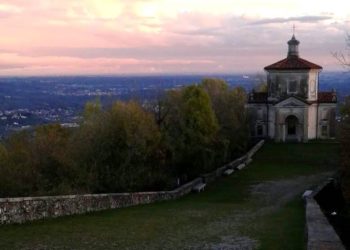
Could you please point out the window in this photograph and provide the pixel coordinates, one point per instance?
(259, 130)
(292, 86)
(324, 130)
(324, 114)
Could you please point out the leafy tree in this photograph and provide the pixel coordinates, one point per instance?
(237, 102)
(158, 108)
(3, 155)
(18, 174)
(34, 163)
(92, 109)
(190, 130)
(120, 149)
(51, 160)
(127, 148)
(4, 171)
(229, 107)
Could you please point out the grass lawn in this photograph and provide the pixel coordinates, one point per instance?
(259, 207)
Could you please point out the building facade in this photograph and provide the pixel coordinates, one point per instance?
(293, 108)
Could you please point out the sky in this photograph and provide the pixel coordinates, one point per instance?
(98, 37)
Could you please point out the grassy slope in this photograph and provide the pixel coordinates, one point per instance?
(259, 206)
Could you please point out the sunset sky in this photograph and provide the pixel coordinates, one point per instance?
(73, 37)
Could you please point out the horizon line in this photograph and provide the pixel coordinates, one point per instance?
(154, 74)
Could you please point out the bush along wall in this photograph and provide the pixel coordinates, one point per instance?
(20, 210)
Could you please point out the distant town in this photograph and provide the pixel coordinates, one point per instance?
(29, 101)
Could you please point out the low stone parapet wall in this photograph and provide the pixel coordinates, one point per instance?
(245, 159)
(20, 210)
(320, 233)
(255, 149)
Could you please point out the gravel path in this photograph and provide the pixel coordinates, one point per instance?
(272, 195)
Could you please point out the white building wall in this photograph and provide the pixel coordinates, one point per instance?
(279, 82)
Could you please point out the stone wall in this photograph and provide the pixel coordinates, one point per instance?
(20, 210)
(320, 233)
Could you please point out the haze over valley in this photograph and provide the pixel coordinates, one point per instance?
(30, 101)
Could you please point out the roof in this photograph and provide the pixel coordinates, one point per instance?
(323, 97)
(327, 97)
(291, 100)
(293, 63)
(291, 96)
(293, 41)
(257, 97)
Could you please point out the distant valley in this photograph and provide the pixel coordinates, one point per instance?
(30, 101)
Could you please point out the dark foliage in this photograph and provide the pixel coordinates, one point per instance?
(128, 147)
(345, 148)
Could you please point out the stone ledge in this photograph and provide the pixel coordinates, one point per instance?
(320, 233)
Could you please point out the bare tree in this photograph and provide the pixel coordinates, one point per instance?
(344, 57)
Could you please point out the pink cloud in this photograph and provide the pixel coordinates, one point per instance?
(82, 37)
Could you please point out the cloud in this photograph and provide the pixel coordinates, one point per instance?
(82, 36)
(5, 66)
(44, 65)
(302, 19)
(147, 52)
(210, 31)
(8, 10)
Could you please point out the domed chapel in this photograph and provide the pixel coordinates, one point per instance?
(293, 108)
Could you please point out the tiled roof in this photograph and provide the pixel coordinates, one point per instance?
(257, 97)
(323, 97)
(327, 97)
(292, 63)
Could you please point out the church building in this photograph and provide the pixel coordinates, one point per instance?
(293, 108)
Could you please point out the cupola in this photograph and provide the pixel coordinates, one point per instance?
(293, 47)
